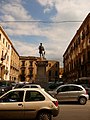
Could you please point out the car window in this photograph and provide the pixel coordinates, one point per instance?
(26, 87)
(30, 86)
(34, 96)
(5, 83)
(34, 86)
(63, 89)
(19, 85)
(14, 96)
(74, 88)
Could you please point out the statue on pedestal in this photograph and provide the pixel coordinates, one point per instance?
(41, 51)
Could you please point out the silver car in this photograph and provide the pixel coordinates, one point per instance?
(28, 103)
(70, 92)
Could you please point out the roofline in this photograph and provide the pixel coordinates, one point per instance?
(1, 28)
(87, 17)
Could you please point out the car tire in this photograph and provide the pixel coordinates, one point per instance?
(44, 116)
(82, 100)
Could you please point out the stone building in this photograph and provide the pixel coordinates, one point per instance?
(77, 55)
(22, 68)
(28, 69)
(53, 70)
(8, 60)
(14, 65)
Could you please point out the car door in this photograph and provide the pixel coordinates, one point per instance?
(62, 93)
(73, 93)
(11, 105)
(34, 101)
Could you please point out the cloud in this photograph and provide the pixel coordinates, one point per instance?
(15, 9)
(47, 4)
(25, 48)
(57, 35)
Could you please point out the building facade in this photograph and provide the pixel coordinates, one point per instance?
(77, 56)
(21, 68)
(28, 69)
(52, 71)
(6, 58)
(14, 65)
(5, 54)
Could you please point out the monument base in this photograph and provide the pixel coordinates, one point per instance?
(41, 77)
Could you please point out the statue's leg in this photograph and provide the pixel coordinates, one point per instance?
(40, 55)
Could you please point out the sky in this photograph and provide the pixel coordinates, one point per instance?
(50, 22)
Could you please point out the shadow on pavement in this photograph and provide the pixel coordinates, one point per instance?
(69, 103)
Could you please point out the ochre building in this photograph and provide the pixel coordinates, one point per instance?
(77, 55)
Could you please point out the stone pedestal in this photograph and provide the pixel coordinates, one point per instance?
(41, 77)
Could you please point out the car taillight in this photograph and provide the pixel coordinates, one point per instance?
(86, 91)
(56, 103)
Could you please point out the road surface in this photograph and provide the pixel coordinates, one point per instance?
(74, 111)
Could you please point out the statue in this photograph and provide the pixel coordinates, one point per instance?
(41, 51)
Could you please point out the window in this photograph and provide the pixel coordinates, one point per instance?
(3, 40)
(7, 58)
(6, 44)
(23, 72)
(83, 34)
(23, 63)
(74, 88)
(34, 96)
(87, 31)
(63, 89)
(2, 53)
(50, 73)
(88, 54)
(56, 65)
(49, 64)
(31, 63)
(0, 36)
(14, 96)
(56, 73)
(31, 73)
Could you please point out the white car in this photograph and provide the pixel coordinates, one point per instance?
(28, 103)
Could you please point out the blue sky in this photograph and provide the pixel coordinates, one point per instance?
(28, 33)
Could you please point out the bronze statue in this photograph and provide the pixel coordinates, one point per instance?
(41, 51)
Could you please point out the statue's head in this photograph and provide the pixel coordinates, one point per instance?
(41, 44)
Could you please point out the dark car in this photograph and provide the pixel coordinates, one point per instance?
(54, 85)
(19, 85)
(5, 86)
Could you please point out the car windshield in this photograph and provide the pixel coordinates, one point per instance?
(4, 83)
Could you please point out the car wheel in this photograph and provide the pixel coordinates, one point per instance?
(82, 100)
(44, 116)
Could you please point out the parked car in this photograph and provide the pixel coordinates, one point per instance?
(28, 103)
(70, 92)
(87, 88)
(53, 85)
(5, 86)
(32, 86)
(18, 85)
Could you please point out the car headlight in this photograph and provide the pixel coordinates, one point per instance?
(2, 90)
